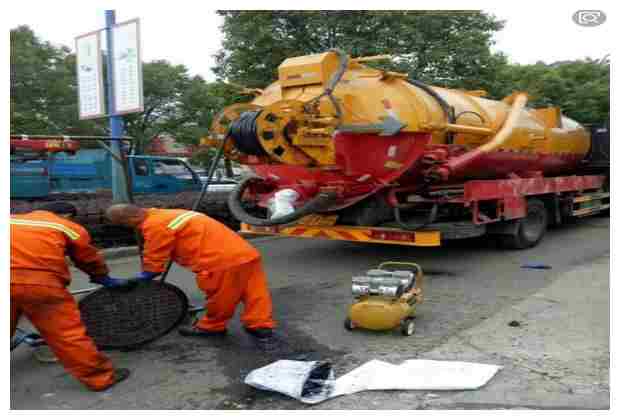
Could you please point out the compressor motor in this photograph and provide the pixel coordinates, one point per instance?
(386, 283)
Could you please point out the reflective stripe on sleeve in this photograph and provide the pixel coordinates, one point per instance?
(73, 235)
(178, 221)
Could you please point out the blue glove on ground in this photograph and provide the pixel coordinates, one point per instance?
(111, 282)
(145, 276)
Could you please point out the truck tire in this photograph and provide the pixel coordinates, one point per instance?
(530, 229)
(607, 188)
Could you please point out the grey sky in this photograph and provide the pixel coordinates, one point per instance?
(191, 37)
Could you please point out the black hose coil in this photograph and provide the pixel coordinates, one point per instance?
(243, 131)
(447, 109)
(320, 202)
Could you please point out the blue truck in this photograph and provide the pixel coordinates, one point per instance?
(84, 179)
(89, 171)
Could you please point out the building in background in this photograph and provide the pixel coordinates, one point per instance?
(166, 145)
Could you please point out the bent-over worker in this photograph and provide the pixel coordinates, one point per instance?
(40, 240)
(228, 269)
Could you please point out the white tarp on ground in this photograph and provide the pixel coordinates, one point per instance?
(313, 382)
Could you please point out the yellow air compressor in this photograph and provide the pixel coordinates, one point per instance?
(386, 299)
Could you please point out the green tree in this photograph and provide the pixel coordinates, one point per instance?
(43, 87)
(207, 101)
(580, 88)
(44, 96)
(449, 48)
(202, 102)
(166, 88)
(177, 104)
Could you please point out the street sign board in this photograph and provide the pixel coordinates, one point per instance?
(127, 65)
(89, 75)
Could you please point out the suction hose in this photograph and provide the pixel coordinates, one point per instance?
(447, 109)
(442, 103)
(245, 129)
(407, 226)
(203, 192)
(455, 167)
(331, 85)
(318, 203)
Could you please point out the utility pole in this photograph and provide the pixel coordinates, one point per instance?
(119, 185)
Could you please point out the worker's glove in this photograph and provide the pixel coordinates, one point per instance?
(113, 283)
(145, 276)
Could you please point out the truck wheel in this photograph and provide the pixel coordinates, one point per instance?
(606, 188)
(530, 229)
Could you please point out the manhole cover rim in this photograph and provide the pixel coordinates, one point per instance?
(105, 342)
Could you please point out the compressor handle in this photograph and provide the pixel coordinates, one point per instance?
(419, 276)
(402, 264)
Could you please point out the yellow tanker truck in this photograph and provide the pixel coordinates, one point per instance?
(345, 151)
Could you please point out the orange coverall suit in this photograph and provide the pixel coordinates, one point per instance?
(228, 269)
(39, 276)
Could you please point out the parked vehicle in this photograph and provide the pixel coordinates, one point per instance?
(84, 177)
(350, 152)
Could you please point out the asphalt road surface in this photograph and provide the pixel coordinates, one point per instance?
(467, 282)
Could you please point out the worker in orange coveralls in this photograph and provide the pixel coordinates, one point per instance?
(39, 276)
(228, 269)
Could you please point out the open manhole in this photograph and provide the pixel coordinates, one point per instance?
(117, 319)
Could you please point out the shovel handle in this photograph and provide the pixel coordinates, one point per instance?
(83, 291)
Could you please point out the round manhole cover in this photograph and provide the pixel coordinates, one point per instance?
(125, 319)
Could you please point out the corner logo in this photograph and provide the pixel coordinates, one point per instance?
(589, 17)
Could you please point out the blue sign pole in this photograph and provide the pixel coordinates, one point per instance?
(119, 184)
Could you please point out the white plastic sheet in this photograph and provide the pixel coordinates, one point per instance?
(282, 203)
(310, 382)
(313, 382)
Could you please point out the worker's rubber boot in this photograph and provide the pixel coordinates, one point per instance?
(119, 376)
(264, 339)
(260, 333)
(193, 331)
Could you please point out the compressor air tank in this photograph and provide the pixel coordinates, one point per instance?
(337, 131)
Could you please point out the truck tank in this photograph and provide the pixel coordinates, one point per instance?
(338, 133)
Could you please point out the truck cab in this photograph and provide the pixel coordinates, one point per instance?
(29, 179)
(88, 171)
(152, 174)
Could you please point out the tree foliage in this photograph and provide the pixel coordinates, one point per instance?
(178, 104)
(580, 88)
(169, 96)
(43, 87)
(449, 48)
(445, 48)
(44, 96)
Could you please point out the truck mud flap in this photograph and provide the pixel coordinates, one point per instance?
(458, 230)
(508, 227)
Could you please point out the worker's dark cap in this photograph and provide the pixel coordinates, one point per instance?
(59, 208)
